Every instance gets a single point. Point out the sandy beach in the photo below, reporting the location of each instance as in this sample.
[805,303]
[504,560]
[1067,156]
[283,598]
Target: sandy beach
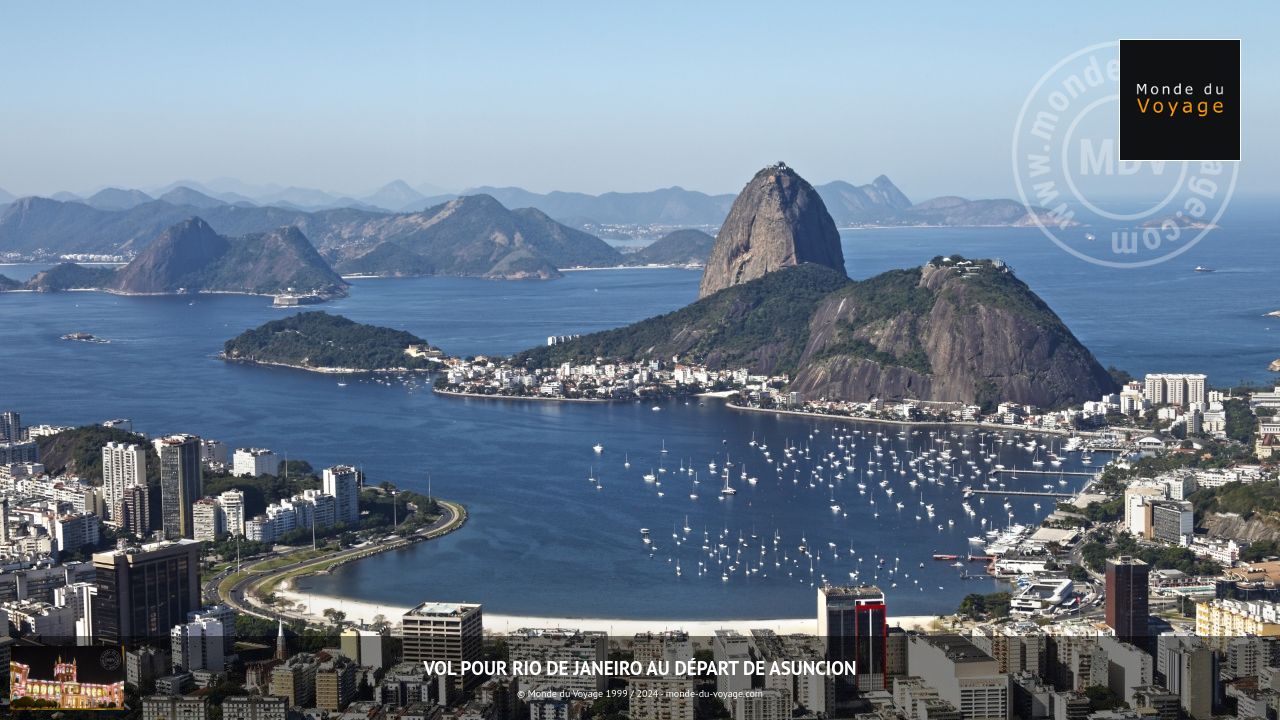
[360,611]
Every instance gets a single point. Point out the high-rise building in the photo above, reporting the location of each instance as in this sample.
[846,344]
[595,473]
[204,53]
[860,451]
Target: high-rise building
[853,621]
[124,465]
[144,591]
[232,504]
[767,704]
[175,707]
[731,646]
[335,683]
[1173,521]
[368,647]
[206,520]
[199,645]
[254,707]
[560,645]
[295,680]
[1182,389]
[252,462]
[11,426]
[17,452]
[213,454]
[661,698]
[181,483]
[1127,611]
[443,631]
[135,510]
[962,674]
[341,481]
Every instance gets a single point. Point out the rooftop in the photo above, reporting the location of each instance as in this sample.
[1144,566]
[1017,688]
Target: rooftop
[443,609]
[869,592]
[956,648]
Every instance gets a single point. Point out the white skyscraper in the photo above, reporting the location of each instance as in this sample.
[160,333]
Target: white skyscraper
[207,519]
[232,504]
[199,645]
[340,482]
[124,465]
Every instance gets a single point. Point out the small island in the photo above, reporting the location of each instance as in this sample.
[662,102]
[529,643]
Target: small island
[85,337]
[319,342]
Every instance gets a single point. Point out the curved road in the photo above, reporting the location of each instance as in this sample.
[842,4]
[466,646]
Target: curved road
[236,594]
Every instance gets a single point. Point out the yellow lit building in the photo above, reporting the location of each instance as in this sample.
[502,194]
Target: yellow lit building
[1220,620]
[64,690]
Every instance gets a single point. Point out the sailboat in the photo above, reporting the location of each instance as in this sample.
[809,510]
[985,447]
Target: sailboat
[727,489]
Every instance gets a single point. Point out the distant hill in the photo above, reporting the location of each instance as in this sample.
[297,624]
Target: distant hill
[668,206]
[682,247]
[473,235]
[320,341]
[396,196]
[191,256]
[70,276]
[882,203]
[8,284]
[186,197]
[117,199]
[387,259]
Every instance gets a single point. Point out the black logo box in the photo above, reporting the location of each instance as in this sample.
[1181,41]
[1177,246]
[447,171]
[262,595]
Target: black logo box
[1185,65]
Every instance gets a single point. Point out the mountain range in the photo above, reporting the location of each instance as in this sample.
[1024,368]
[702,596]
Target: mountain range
[877,203]
[472,235]
[775,298]
[191,257]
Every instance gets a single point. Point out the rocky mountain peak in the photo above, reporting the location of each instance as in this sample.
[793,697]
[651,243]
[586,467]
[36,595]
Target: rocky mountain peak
[777,221]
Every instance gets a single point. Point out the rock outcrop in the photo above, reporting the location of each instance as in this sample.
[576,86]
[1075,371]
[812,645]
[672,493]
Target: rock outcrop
[956,330]
[777,221]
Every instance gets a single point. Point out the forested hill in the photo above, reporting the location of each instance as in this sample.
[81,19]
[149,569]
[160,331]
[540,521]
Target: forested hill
[320,341]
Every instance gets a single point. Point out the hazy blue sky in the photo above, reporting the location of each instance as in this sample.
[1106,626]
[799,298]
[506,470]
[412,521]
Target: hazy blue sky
[591,96]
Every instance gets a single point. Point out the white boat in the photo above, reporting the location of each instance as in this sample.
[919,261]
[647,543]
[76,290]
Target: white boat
[598,448]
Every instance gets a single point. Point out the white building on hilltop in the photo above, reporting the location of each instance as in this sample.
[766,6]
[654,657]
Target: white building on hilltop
[252,462]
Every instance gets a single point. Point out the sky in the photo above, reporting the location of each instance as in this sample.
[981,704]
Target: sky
[589,97]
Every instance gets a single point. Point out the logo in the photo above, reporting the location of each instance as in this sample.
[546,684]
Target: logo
[1083,196]
[110,659]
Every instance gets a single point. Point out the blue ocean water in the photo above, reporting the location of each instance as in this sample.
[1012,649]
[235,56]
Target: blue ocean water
[542,539]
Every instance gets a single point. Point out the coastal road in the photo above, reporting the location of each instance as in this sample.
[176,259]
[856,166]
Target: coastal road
[234,591]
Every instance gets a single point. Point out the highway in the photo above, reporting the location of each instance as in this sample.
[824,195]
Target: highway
[236,594]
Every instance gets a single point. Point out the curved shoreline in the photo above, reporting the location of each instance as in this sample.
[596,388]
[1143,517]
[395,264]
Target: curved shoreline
[239,594]
[539,398]
[920,423]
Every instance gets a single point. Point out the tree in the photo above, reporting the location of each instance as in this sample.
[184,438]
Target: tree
[335,616]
